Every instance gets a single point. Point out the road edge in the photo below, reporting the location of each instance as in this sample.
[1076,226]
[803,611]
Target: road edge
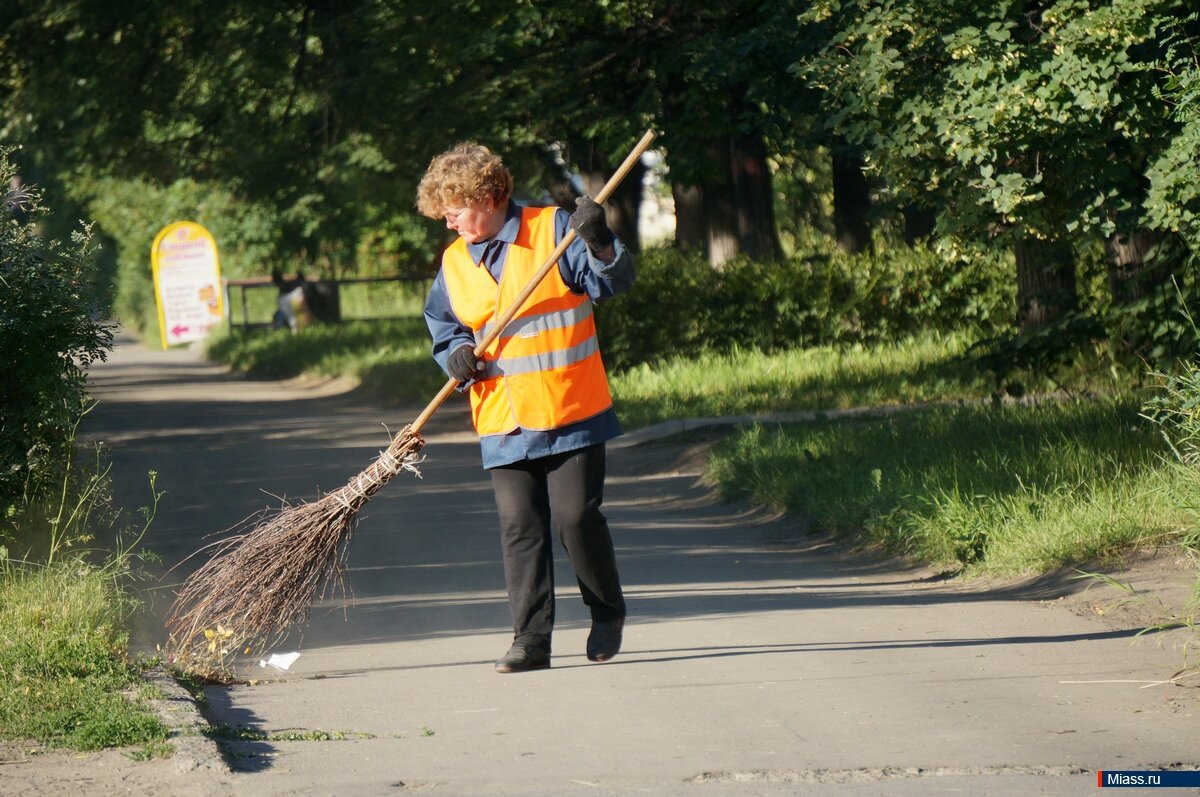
[180,712]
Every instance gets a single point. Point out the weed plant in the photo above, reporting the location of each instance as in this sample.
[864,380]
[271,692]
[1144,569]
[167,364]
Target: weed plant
[1005,489]
[1175,409]
[64,677]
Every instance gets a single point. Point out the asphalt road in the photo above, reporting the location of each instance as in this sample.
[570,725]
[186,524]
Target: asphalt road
[758,659]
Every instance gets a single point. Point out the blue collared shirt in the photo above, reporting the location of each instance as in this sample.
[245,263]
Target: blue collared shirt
[583,273]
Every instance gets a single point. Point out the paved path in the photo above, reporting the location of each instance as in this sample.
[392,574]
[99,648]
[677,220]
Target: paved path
[758,660]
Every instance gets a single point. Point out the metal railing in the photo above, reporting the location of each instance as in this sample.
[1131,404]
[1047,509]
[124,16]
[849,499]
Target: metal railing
[328,289]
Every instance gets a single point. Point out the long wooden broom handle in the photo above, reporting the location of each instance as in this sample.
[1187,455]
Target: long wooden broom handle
[508,315]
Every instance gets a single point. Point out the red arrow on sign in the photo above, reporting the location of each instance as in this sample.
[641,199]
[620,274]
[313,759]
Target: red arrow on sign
[178,330]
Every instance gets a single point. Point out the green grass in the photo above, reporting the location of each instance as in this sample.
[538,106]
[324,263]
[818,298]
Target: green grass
[229,733]
[707,385]
[63,677]
[391,358]
[999,489]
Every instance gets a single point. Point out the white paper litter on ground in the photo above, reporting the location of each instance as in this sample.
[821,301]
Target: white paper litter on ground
[280,661]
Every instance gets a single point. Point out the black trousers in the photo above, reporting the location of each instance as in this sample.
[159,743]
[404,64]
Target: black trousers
[562,493]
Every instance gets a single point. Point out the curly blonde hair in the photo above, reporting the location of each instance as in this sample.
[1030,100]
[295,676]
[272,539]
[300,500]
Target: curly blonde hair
[463,175]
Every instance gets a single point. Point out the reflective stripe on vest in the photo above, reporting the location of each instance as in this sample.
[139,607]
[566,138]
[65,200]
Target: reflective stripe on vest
[544,370]
[512,366]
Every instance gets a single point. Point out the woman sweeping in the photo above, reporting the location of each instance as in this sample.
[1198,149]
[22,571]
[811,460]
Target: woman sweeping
[539,396]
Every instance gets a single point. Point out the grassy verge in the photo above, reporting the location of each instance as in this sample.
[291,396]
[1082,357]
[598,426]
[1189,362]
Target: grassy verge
[707,385]
[64,680]
[389,357]
[998,489]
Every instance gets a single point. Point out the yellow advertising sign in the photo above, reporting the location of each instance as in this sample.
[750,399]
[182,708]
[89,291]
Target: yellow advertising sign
[187,282]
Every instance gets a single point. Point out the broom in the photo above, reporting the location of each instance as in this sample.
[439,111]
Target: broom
[259,582]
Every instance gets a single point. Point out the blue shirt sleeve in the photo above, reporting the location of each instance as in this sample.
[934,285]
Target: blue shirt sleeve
[447,331]
[583,272]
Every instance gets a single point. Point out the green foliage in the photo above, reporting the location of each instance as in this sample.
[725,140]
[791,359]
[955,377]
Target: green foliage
[49,334]
[1034,121]
[1175,409]
[1009,489]
[680,306]
[62,670]
[1067,121]
[1173,201]
[1114,341]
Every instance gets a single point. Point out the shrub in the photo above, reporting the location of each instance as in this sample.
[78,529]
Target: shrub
[49,334]
[680,305]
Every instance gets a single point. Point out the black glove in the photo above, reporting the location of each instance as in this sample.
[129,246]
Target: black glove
[589,224]
[462,364]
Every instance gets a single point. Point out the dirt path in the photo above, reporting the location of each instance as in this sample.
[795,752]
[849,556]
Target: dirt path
[758,660]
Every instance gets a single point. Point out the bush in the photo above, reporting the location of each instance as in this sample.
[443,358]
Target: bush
[680,305]
[49,334]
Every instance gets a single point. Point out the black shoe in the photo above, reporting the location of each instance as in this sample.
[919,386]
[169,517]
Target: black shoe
[605,640]
[523,658]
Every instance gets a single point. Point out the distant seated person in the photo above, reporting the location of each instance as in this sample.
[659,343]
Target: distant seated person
[292,311]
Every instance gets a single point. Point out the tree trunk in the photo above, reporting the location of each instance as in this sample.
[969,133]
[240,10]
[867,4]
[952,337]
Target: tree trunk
[691,230]
[1046,288]
[562,193]
[1137,264]
[851,200]
[720,205]
[623,209]
[755,197]
[557,178]
[919,224]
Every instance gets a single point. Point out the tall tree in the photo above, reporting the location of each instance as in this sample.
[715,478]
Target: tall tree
[1034,121]
[711,79]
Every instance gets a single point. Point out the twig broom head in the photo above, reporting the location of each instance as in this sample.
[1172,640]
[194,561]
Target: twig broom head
[258,583]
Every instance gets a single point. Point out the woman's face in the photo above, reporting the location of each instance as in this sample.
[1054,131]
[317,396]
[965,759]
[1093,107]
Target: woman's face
[476,222]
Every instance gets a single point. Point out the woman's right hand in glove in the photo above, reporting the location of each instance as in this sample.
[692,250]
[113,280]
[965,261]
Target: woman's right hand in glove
[463,365]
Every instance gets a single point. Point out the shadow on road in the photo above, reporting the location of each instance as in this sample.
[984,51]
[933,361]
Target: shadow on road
[425,558]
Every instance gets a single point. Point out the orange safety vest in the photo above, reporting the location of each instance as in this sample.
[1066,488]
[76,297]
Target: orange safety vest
[544,370]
